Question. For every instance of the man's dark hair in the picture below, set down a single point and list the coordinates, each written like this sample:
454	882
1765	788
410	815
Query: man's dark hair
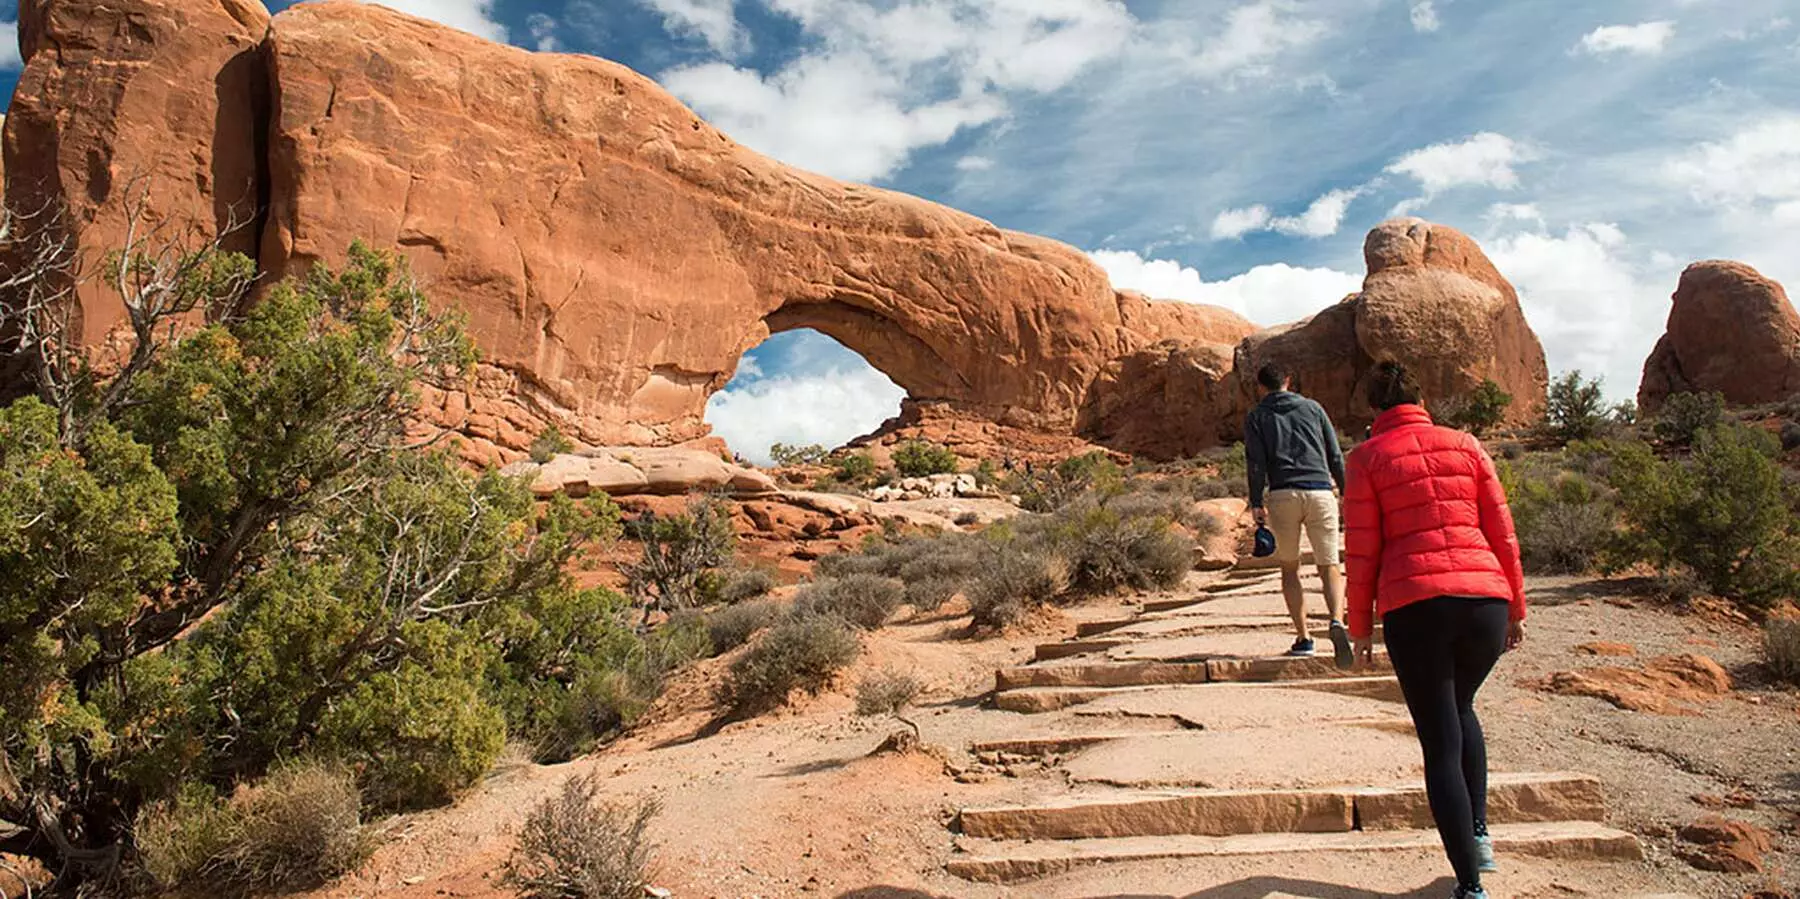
1273	376
1390	385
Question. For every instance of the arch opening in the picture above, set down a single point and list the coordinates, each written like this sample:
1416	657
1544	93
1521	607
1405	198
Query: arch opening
801	387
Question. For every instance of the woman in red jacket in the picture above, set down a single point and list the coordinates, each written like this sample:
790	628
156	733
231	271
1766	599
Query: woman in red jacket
1431	548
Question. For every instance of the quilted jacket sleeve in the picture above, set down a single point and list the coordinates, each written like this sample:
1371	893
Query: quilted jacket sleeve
1362	538
1497	525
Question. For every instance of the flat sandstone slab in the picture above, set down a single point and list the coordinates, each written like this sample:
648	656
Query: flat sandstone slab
1305	756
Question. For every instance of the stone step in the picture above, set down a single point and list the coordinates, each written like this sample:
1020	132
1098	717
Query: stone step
1035	700
1049	652
1151	673
990	862
1512	799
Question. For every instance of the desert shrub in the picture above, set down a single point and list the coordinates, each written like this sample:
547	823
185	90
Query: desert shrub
921	458
733	626
1045	490
801	652
415	736
1013	581
1575	409
1484	408
1211	489
736	584
1781	647
1564	519
575	845
1108	551
845	563
866	601
679	552
933	579
987	475
886	692
853	468
296	829
1790	436
1624	415
1684	416
1726	513
550	444
784	455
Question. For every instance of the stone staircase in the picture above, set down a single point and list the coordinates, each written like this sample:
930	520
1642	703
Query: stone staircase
1181	731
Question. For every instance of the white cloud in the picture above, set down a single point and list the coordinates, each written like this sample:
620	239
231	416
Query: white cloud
1232	224
9	47
1755	170
1593	304
1514	212
1322	219
974	164
1646	39
828	408
1425	16
543	33
1484	160
1253	36
713	21
1267	294
474	16
884	82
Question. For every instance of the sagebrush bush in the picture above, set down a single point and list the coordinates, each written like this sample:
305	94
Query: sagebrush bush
1048	489
549	444
733	626
785	454
801	652
1014	581
921	458
886	692
1790	436
1781	647
932	579
1727	513
298	828
1564	519
576	845
735	585
1108	551
1684	416
866	601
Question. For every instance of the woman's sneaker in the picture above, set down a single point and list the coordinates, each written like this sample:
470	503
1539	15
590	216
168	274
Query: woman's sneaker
1340	646
1484	854
1476	893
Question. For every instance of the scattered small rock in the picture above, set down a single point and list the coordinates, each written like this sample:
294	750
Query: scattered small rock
1716	843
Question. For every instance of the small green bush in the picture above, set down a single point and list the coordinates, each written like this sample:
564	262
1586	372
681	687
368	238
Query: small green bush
1046	490
550	444
853	468
1483	409
1575	409
1108	552
574	845
1781	647
933	579
733	626
886	692
920	458
802	652
1790	436
1014	581
298	828
785	455
734	585
1726	512
866	601
1564	520
416	737
1684	416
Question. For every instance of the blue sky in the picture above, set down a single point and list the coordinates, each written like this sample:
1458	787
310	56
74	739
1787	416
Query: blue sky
1236	151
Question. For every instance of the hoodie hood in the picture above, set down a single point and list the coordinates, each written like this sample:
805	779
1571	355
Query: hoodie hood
1283	401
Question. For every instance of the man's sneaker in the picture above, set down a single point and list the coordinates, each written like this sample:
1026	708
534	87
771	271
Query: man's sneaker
1340	647
1301	647
1484	854
1477	893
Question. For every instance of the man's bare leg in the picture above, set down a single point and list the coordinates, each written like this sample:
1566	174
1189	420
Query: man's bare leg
1296	598
1333	576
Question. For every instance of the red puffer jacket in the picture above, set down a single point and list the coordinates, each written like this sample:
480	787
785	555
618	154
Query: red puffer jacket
1425	516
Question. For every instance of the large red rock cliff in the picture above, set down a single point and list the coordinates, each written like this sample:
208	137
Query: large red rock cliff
1731	331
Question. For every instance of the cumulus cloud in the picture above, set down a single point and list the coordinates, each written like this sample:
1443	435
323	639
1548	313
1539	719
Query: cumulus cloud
881	83
474	16
9	47
1646	39
827	408
1484	160
713	21
1594	304
1756	170
1232	224
543	33
1425	16
1267	294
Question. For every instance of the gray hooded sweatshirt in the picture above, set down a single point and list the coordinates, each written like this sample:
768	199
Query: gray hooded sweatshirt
1289	443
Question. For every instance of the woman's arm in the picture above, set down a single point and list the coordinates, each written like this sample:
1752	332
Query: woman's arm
1362	546
1497	525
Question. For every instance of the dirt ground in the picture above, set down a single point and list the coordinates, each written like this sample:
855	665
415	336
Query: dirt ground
793	804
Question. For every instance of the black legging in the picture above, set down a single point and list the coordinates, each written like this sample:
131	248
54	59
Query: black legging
1442	649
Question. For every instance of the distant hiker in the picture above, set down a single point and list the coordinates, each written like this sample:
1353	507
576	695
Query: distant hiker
1292	452
1432	548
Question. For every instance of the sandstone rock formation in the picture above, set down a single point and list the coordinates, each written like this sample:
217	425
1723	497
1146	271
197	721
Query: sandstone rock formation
662	471
615	255
1731	331
149	104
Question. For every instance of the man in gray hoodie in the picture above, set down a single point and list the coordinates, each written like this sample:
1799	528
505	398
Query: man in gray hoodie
1296	472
